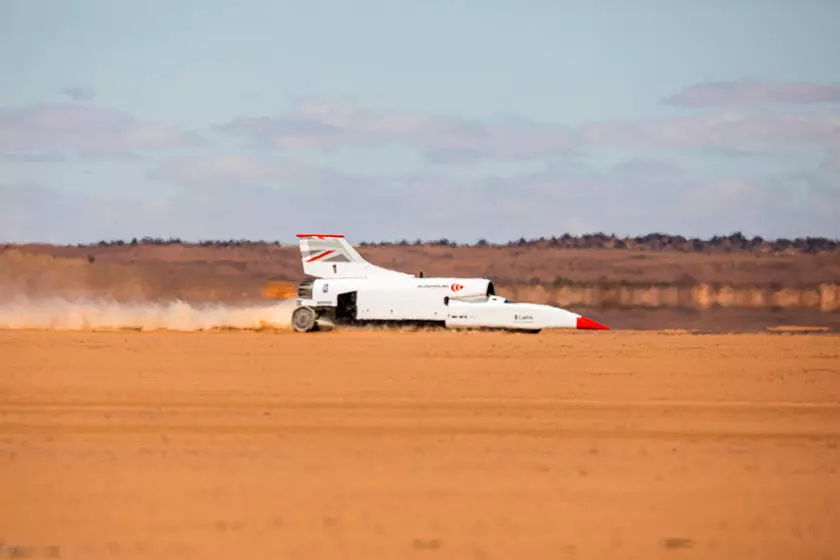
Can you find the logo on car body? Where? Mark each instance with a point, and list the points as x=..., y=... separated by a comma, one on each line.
x=456, y=287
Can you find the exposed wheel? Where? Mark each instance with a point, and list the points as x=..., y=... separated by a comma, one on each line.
x=303, y=319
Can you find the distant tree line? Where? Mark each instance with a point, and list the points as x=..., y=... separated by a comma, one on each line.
x=734, y=243
x=177, y=241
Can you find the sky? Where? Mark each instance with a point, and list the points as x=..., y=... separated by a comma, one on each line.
x=389, y=120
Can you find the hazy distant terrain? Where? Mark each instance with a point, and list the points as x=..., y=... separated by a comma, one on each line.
x=651, y=282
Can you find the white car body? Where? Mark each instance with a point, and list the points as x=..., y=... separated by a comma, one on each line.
x=345, y=288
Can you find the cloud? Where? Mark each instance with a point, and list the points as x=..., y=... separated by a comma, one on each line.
x=754, y=92
x=241, y=197
x=717, y=130
x=85, y=131
x=647, y=200
x=802, y=202
x=633, y=196
x=645, y=169
x=31, y=212
x=738, y=153
x=79, y=93
x=832, y=158
x=33, y=157
x=449, y=140
x=267, y=194
x=237, y=169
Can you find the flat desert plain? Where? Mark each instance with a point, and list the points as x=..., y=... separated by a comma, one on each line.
x=366, y=444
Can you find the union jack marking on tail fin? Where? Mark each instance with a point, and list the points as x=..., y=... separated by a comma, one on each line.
x=321, y=255
x=329, y=255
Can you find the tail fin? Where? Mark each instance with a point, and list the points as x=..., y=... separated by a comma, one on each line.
x=329, y=255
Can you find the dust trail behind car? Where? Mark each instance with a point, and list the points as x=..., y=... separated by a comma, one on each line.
x=54, y=313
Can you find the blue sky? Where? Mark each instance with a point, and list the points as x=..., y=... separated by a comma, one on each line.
x=389, y=120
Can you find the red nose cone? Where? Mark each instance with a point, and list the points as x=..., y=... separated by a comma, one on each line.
x=589, y=324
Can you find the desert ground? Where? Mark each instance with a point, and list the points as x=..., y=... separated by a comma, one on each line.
x=367, y=444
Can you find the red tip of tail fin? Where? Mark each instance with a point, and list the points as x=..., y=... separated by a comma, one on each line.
x=322, y=235
x=589, y=324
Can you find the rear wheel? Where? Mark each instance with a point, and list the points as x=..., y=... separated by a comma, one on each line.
x=303, y=319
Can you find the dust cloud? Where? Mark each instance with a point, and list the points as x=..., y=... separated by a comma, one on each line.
x=101, y=314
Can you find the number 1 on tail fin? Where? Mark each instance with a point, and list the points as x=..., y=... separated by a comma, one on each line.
x=329, y=255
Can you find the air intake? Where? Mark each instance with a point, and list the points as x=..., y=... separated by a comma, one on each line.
x=305, y=289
